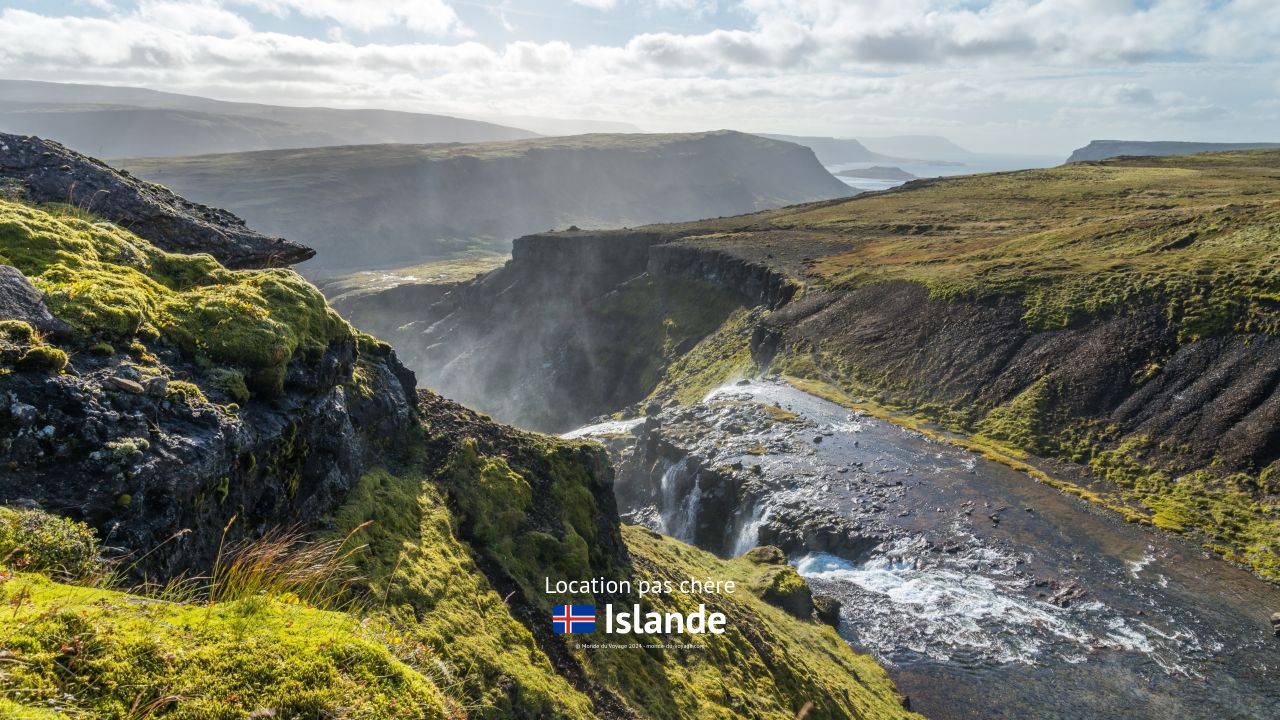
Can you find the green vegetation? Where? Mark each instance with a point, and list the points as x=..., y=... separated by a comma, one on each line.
x=17, y=332
x=1198, y=234
x=112, y=286
x=649, y=324
x=443, y=607
x=75, y=651
x=42, y=358
x=35, y=541
x=719, y=357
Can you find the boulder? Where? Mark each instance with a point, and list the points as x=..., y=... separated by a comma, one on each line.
x=20, y=300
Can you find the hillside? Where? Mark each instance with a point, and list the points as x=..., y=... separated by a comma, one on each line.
x=1114, y=324
x=365, y=207
x=1105, y=149
x=920, y=147
x=107, y=121
x=831, y=151
x=222, y=500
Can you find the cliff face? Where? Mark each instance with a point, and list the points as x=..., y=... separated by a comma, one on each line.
x=577, y=324
x=1106, y=149
x=388, y=205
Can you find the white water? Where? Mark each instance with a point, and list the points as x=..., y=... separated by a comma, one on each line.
x=612, y=427
x=951, y=614
x=670, y=501
x=749, y=535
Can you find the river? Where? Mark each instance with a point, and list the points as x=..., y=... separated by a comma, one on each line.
x=984, y=593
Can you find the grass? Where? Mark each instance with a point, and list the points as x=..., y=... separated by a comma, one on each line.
x=1198, y=234
x=72, y=651
x=113, y=287
x=256, y=639
x=437, y=598
x=284, y=562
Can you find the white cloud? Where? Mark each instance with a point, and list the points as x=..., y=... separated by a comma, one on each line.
x=1054, y=73
x=427, y=16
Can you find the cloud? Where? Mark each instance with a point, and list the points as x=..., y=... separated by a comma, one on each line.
x=1053, y=72
x=426, y=16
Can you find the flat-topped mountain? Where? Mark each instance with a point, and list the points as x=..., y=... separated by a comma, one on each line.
x=1104, y=149
x=374, y=206
x=830, y=150
x=107, y=121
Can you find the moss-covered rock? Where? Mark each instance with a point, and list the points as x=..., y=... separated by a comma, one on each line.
x=42, y=358
x=111, y=285
x=35, y=541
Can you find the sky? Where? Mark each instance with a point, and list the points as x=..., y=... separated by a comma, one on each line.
x=1013, y=76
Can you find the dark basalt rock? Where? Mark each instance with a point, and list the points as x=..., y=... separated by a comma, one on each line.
x=77, y=445
x=20, y=300
x=44, y=171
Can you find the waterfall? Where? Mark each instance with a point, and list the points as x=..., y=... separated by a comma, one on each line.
x=670, y=494
x=749, y=533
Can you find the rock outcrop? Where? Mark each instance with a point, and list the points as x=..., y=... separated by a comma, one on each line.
x=42, y=171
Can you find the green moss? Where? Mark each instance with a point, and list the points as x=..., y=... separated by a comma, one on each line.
x=110, y=285
x=441, y=603
x=494, y=503
x=186, y=392
x=36, y=541
x=18, y=331
x=102, y=349
x=42, y=358
x=646, y=325
x=372, y=346
x=105, y=654
x=230, y=382
x=1023, y=420
x=125, y=448
x=719, y=357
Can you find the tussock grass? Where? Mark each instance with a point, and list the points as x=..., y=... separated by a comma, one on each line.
x=284, y=563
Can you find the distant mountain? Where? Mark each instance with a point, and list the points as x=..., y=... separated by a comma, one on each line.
x=108, y=121
x=917, y=147
x=1103, y=149
x=380, y=206
x=878, y=172
x=831, y=151
x=562, y=126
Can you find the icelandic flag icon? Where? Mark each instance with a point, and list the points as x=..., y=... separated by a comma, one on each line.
x=566, y=619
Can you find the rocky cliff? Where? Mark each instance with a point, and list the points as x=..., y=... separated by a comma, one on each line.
x=384, y=206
